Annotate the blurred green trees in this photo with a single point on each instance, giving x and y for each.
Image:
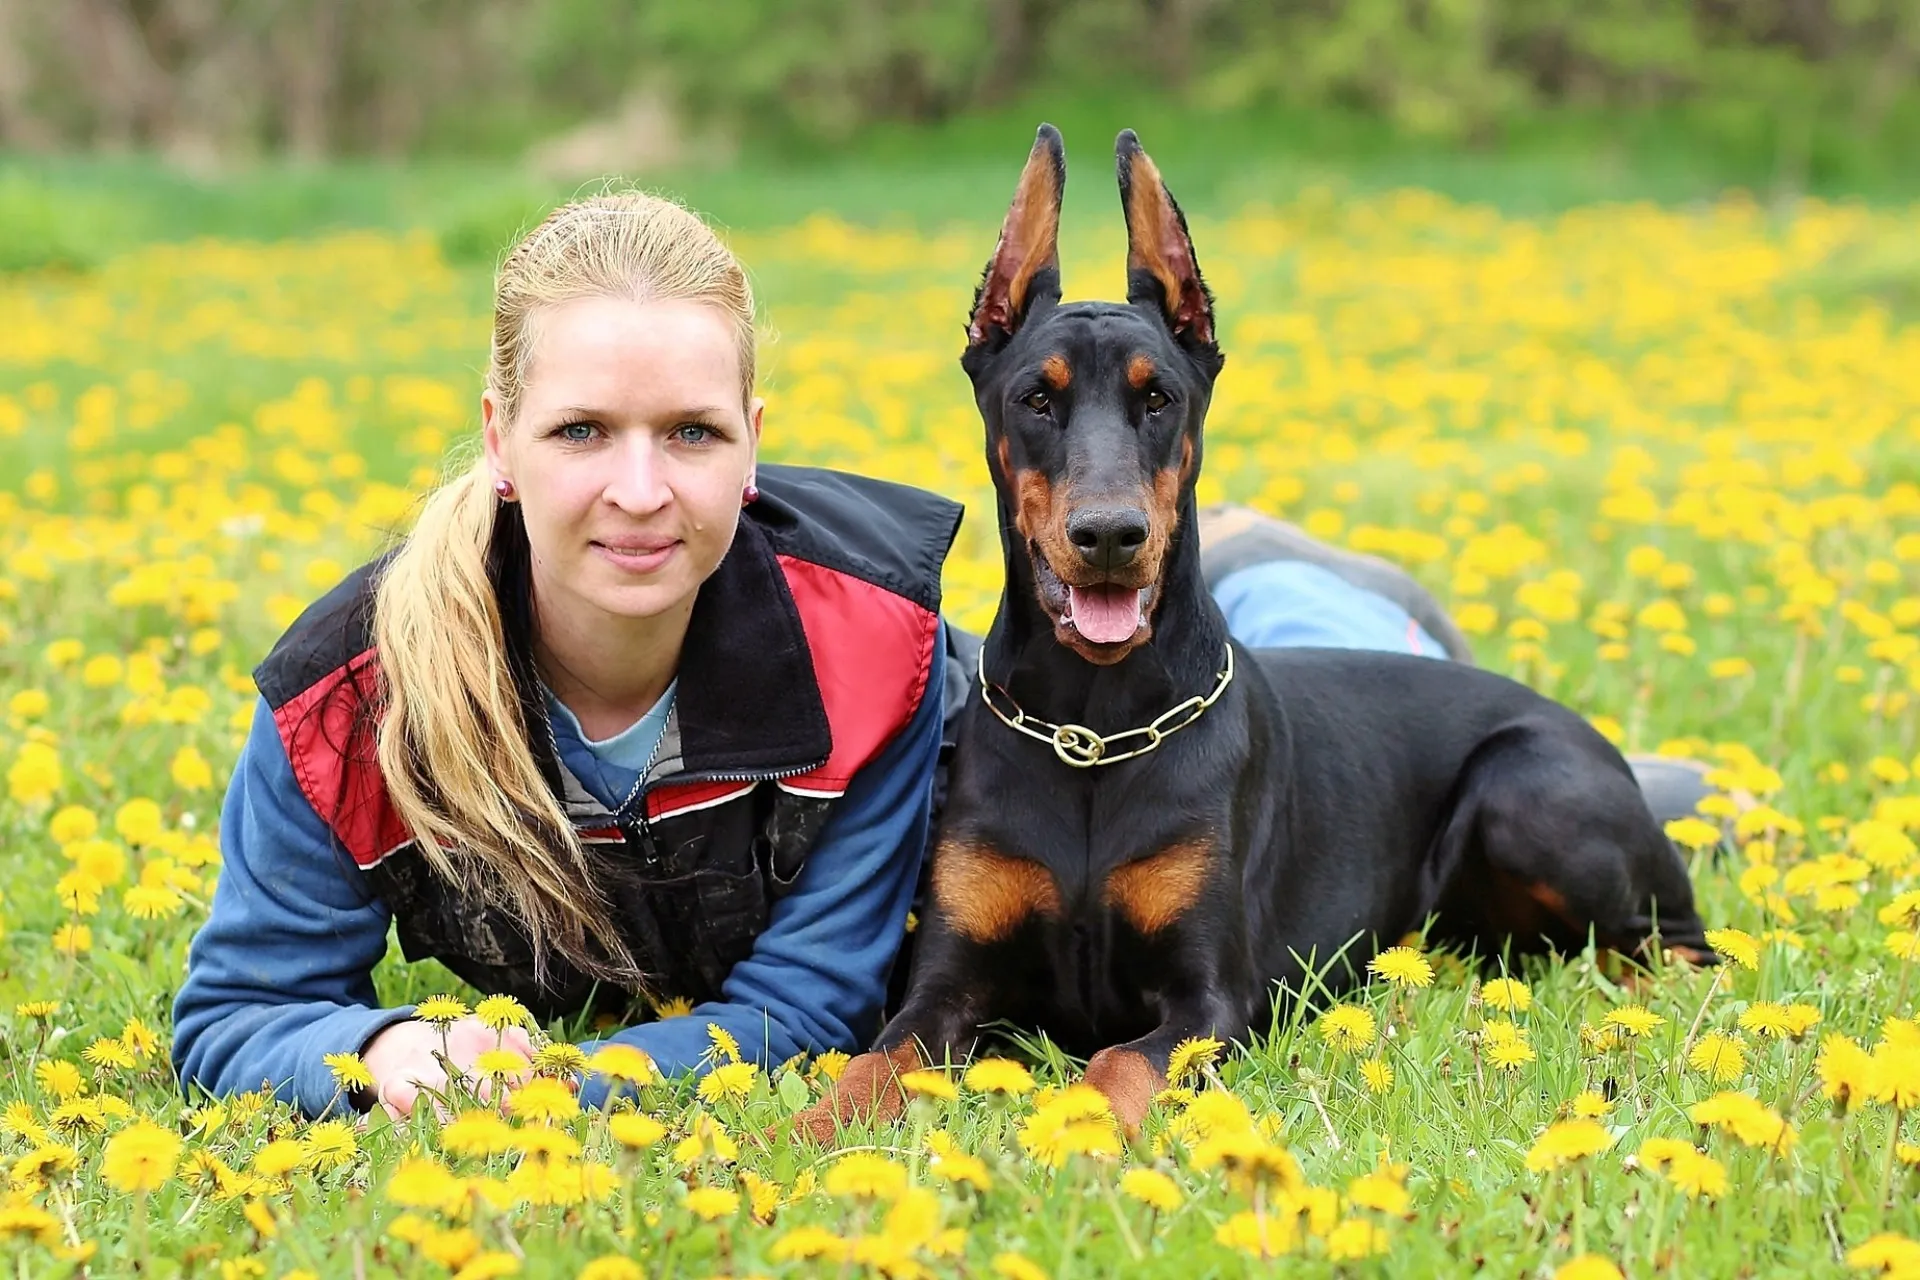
(401, 76)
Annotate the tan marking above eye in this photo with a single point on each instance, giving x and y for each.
(1056, 371)
(984, 895)
(1151, 893)
(1140, 371)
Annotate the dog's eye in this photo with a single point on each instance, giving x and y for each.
(1156, 401)
(1039, 402)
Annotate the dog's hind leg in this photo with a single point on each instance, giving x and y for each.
(1551, 839)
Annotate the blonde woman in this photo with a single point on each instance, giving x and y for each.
(631, 715)
(627, 713)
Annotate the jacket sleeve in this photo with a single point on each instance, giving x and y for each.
(816, 978)
(281, 974)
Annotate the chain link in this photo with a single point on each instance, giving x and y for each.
(1080, 746)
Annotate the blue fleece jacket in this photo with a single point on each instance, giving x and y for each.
(281, 973)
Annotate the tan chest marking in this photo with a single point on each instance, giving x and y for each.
(1152, 893)
(985, 895)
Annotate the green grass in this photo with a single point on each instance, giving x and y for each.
(1399, 372)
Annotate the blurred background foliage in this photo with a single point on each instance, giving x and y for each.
(1801, 78)
(274, 117)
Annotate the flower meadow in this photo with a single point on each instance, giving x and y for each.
(1662, 464)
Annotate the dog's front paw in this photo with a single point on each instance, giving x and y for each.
(868, 1089)
(1129, 1082)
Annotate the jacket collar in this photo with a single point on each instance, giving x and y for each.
(748, 702)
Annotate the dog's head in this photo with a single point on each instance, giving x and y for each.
(1093, 409)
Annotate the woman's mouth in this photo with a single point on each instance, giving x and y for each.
(639, 556)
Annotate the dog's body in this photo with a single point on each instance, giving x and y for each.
(1323, 804)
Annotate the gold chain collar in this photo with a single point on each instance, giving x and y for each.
(1080, 746)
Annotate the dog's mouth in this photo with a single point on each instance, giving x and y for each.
(1101, 613)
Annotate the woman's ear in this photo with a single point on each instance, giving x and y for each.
(490, 434)
(756, 412)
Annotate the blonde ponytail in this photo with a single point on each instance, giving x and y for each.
(453, 735)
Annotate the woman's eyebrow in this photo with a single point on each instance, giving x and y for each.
(676, 415)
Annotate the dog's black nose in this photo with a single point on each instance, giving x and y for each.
(1107, 538)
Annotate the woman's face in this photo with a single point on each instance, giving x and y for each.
(629, 453)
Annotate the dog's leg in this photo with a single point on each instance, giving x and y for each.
(1551, 839)
(938, 1023)
(1132, 1074)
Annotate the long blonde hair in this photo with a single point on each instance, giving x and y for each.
(455, 695)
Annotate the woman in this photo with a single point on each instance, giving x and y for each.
(627, 712)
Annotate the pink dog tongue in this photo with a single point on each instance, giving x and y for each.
(1105, 615)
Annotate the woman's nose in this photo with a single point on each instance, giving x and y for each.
(637, 477)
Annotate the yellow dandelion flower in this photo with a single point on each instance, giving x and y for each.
(420, 1182)
(1262, 1235)
(937, 1085)
(1886, 1252)
(1718, 1056)
(328, 1145)
(476, 1133)
(543, 1101)
(631, 1129)
(139, 1038)
(865, 1175)
(1354, 1239)
(36, 1010)
(497, 1013)
(1378, 1073)
(995, 1075)
(809, 1242)
(278, 1158)
(1736, 945)
(557, 1057)
(712, 1203)
(721, 1044)
(1152, 1188)
(830, 1064)
(59, 1077)
(1509, 1055)
(349, 1072)
(1509, 995)
(141, 1157)
(1634, 1020)
(499, 1064)
(1698, 1176)
(1402, 966)
(1014, 1266)
(440, 1010)
(1589, 1105)
(731, 1081)
(612, 1266)
(1192, 1056)
(1588, 1266)
(109, 1054)
(1347, 1027)
(623, 1062)
(1566, 1142)
(1766, 1018)
(1695, 834)
(1801, 1018)
(956, 1166)
(1381, 1191)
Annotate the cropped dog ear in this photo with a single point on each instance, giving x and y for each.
(1161, 268)
(1025, 267)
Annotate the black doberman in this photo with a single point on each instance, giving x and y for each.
(1151, 830)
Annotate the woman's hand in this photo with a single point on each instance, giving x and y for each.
(405, 1059)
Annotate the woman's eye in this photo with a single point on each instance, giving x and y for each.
(693, 433)
(576, 432)
(1039, 402)
(1156, 401)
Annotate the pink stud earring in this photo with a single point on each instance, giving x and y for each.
(749, 495)
(505, 489)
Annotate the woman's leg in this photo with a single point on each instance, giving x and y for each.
(1279, 586)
